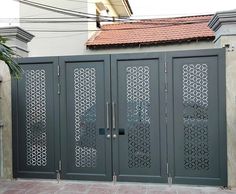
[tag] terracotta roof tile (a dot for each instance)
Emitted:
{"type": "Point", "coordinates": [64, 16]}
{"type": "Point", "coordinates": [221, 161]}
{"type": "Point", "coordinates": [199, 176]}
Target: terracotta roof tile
{"type": "Point", "coordinates": [152, 32]}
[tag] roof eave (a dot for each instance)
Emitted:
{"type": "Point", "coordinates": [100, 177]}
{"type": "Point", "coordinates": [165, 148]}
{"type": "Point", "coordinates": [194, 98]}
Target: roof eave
{"type": "Point", "coordinates": [146, 44]}
{"type": "Point", "coordinates": [122, 11]}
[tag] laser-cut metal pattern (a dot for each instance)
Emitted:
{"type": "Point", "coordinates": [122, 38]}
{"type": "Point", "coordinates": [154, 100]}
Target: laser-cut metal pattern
{"type": "Point", "coordinates": [195, 116]}
{"type": "Point", "coordinates": [138, 118]}
{"type": "Point", "coordinates": [85, 117]}
{"type": "Point", "coordinates": [36, 117]}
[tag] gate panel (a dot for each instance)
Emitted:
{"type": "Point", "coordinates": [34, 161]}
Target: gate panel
{"type": "Point", "coordinates": [197, 138]}
{"type": "Point", "coordinates": [85, 116]}
{"type": "Point", "coordinates": [36, 119]}
{"type": "Point", "coordinates": [138, 117]}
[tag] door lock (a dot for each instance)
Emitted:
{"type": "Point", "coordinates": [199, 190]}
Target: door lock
{"type": "Point", "coordinates": [114, 136]}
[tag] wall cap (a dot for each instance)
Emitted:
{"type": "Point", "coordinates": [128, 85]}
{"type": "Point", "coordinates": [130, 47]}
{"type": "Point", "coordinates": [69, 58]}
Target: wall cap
{"type": "Point", "coordinates": [220, 18]}
{"type": "Point", "coordinates": [16, 32]}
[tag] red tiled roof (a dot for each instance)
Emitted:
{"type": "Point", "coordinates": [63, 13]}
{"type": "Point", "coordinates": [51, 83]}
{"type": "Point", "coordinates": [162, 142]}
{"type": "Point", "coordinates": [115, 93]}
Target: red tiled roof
{"type": "Point", "coordinates": [152, 32]}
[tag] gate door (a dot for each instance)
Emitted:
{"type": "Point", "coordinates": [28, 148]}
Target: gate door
{"type": "Point", "coordinates": [35, 113]}
{"type": "Point", "coordinates": [85, 120]}
{"type": "Point", "coordinates": [196, 117]}
{"type": "Point", "coordinates": [139, 136]}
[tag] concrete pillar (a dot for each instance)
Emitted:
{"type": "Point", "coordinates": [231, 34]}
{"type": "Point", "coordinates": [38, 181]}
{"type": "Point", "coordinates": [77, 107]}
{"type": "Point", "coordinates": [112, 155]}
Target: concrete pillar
{"type": "Point", "coordinates": [224, 26]}
{"type": "Point", "coordinates": [6, 128]}
{"type": "Point", "coordinates": [17, 40]}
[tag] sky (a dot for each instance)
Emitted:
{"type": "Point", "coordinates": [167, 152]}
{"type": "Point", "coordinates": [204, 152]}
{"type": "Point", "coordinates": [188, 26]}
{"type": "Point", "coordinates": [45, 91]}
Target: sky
{"type": "Point", "coordinates": [9, 9]}
{"type": "Point", "coordinates": [146, 8]}
{"type": "Point", "coordinates": [169, 8]}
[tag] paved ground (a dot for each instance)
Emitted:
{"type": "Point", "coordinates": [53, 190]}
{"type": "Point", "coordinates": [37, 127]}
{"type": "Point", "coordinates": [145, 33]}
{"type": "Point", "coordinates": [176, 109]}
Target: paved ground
{"type": "Point", "coordinates": [79, 187]}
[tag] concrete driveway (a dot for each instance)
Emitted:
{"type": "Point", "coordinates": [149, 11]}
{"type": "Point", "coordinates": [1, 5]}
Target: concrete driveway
{"type": "Point", "coordinates": [79, 187]}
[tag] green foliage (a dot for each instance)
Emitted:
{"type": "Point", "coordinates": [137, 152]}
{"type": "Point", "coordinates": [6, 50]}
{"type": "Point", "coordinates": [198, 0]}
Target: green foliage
{"type": "Point", "coordinates": [7, 55]}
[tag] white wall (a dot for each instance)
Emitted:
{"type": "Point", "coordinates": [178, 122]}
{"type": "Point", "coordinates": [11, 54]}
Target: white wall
{"type": "Point", "coordinates": [59, 43]}
{"type": "Point", "coordinates": [9, 9]}
{"type": "Point", "coordinates": [55, 43]}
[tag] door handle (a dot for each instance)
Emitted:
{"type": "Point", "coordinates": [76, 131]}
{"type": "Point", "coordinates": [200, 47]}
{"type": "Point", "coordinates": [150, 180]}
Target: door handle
{"type": "Point", "coordinates": [108, 136]}
{"type": "Point", "coordinates": [113, 116]}
{"type": "Point", "coordinates": [107, 110]}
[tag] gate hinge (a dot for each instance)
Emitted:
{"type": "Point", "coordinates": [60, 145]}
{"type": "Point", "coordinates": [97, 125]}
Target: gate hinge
{"type": "Point", "coordinates": [168, 174]}
{"type": "Point", "coordinates": [59, 171]}
{"type": "Point", "coordinates": [167, 169]}
{"type": "Point", "coordinates": [58, 70]}
{"type": "Point", "coordinates": [59, 165]}
{"type": "Point", "coordinates": [165, 67]}
{"type": "Point", "coordinates": [58, 176]}
{"type": "Point", "coordinates": [170, 180]}
{"type": "Point", "coordinates": [58, 88]}
{"type": "Point", "coordinates": [1, 124]}
{"type": "Point", "coordinates": [114, 178]}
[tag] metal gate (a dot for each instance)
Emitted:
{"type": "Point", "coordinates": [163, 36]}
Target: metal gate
{"type": "Point", "coordinates": [85, 117]}
{"type": "Point", "coordinates": [151, 117]}
{"type": "Point", "coordinates": [36, 119]}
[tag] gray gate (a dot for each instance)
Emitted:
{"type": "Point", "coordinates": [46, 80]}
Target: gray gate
{"type": "Point", "coordinates": [196, 117]}
{"type": "Point", "coordinates": [35, 119]}
{"type": "Point", "coordinates": [154, 117]}
{"type": "Point", "coordinates": [85, 117]}
{"type": "Point", "coordinates": [139, 148]}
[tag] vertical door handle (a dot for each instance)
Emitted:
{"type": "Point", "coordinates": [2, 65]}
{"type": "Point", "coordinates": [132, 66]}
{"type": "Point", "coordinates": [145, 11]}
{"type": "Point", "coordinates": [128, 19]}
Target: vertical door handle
{"type": "Point", "coordinates": [107, 121]}
{"type": "Point", "coordinates": [113, 116]}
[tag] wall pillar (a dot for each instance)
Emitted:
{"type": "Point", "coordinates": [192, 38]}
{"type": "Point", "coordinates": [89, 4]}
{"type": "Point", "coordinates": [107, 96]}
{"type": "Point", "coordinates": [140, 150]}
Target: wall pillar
{"type": "Point", "coordinates": [17, 40]}
{"type": "Point", "coordinates": [224, 26]}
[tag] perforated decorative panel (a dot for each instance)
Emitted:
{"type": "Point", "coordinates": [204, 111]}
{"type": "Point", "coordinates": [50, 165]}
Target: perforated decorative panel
{"type": "Point", "coordinates": [138, 119]}
{"type": "Point", "coordinates": [36, 120]}
{"type": "Point", "coordinates": [195, 116]}
{"type": "Point", "coordinates": [85, 117]}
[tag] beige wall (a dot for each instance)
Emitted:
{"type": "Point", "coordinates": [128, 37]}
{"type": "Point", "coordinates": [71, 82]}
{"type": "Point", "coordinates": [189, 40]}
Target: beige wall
{"type": "Point", "coordinates": [230, 105]}
{"type": "Point", "coordinates": [170, 47]}
{"type": "Point", "coordinates": [5, 116]}
{"type": "Point", "coordinates": [17, 40]}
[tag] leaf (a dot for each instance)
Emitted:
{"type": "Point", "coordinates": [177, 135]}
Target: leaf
{"type": "Point", "coordinates": [7, 55]}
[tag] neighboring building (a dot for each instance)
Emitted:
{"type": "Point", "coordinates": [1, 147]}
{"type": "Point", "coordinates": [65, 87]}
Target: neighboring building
{"type": "Point", "coordinates": [163, 34]}
{"type": "Point", "coordinates": [61, 34]}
